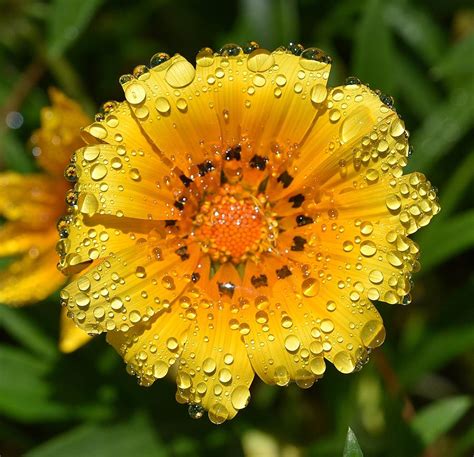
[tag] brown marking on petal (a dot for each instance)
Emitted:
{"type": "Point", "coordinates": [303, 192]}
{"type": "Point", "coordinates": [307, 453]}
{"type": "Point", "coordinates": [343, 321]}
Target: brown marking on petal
{"type": "Point", "coordinates": [183, 253]}
{"type": "Point", "coordinates": [185, 180]}
{"type": "Point", "coordinates": [259, 281]}
{"type": "Point", "coordinates": [205, 167]}
{"type": "Point", "coordinates": [233, 153]}
{"type": "Point", "coordinates": [297, 200]}
{"type": "Point", "coordinates": [258, 162]}
{"type": "Point", "coordinates": [298, 243]}
{"type": "Point", "coordinates": [285, 179]}
{"type": "Point", "coordinates": [283, 272]}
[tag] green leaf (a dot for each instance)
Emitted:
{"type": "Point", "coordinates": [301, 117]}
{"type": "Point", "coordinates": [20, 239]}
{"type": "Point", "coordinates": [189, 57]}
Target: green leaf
{"type": "Point", "coordinates": [14, 153]}
{"type": "Point", "coordinates": [25, 393]}
{"type": "Point", "coordinates": [374, 54]}
{"type": "Point", "coordinates": [445, 126]}
{"type": "Point", "coordinates": [438, 418]}
{"type": "Point", "coordinates": [67, 20]}
{"type": "Point", "coordinates": [418, 92]}
{"type": "Point", "coordinates": [417, 29]}
{"type": "Point", "coordinates": [458, 184]}
{"type": "Point", "coordinates": [457, 65]}
{"type": "Point", "coordinates": [136, 437]}
{"type": "Point", "coordinates": [445, 239]}
{"type": "Point", "coordinates": [18, 324]}
{"type": "Point", "coordinates": [352, 448]}
{"type": "Point", "coordinates": [435, 351]}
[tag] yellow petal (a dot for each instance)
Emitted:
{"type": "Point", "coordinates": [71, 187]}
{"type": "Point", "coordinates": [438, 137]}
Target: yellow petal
{"type": "Point", "coordinates": [214, 370]}
{"type": "Point", "coordinates": [35, 200]}
{"type": "Point", "coordinates": [32, 278]}
{"type": "Point", "coordinates": [59, 135]}
{"type": "Point", "coordinates": [151, 348]}
{"type": "Point", "coordinates": [71, 337]}
{"type": "Point", "coordinates": [123, 183]}
{"type": "Point", "coordinates": [129, 286]}
{"type": "Point", "coordinates": [16, 238]}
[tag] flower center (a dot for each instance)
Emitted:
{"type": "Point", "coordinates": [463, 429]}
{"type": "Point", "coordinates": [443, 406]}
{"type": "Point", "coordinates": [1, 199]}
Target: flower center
{"type": "Point", "coordinates": [232, 225]}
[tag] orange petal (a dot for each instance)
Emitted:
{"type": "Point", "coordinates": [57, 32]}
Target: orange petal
{"type": "Point", "coordinates": [71, 337]}
{"type": "Point", "coordinates": [59, 135]}
{"type": "Point", "coordinates": [129, 286]}
{"type": "Point", "coordinates": [16, 238]}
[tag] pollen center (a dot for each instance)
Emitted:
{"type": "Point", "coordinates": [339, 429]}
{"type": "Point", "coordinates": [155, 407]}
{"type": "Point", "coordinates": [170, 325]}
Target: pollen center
{"type": "Point", "coordinates": [232, 226]}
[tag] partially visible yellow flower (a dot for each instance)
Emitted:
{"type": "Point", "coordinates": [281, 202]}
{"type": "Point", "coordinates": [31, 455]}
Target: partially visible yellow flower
{"type": "Point", "coordinates": [32, 205]}
{"type": "Point", "coordinates": [241, 217]}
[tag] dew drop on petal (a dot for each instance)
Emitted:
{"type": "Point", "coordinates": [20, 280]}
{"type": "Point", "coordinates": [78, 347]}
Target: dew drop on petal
{"type": "Point", "coordinates": [344, 362]}
{"type": "Point", "coordinates": [372, 334]}
{"type": "Point", "coordinates": [240, 397]}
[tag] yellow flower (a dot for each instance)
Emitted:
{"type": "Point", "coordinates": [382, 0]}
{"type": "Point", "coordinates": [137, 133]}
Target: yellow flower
{"type": "Point", "coordinates": [31, 205]}
{"type": "Point", "coordinates": [238, 217]}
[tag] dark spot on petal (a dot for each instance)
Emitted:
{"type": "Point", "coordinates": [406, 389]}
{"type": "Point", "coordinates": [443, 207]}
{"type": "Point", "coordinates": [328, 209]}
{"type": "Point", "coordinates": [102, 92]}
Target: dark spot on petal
{"type": "Point", "coordinates": [303, 220]}
{"type": "Point", "coordinates": [259, 281]}
{"type": "Point", "coordinates": [226, 288]}
{"type": "Point", "coordinates": [195, 277]}
{"type": "Point", "coordinates": [297, 200]}
{"type": "Point", "coordinates": [259, 162]}
{"type": "Point", "coordinates": [183, 253]}
{"type": "Point", "coordinates": [298, 243]}
{"type": "Point", "coordinates": [185, 180]}
{"type": "Point", "coordinates": [233, 153]}
{"type": "Point", "coordinates": [285, 178]}
{"type": "Point", "coordinates": [283, 272]}
{"type": "Point", "coordinates": [170, 223]}
{"type": "Point", "coordinates": [180, 203]}
{"type": "Point", "coordinates": [205, 167]}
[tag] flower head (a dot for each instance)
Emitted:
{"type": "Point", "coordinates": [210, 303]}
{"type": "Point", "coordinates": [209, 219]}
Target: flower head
{"type": "Point", "coordinates": [32, 204]}
{"type": "Point", "coordinates": [240, 217]}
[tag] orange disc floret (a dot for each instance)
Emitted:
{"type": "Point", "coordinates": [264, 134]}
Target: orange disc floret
{"type": "Point", "coordinates": [230, 225]}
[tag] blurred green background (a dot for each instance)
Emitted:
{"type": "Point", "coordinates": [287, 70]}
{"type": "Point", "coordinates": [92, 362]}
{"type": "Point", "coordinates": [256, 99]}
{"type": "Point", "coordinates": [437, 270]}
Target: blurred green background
{"type": "Point", "coordinates": [415, 396]}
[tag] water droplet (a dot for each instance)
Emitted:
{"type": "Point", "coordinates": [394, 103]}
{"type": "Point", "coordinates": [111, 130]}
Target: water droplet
{"type": "Point", "coordinates": [318, 93]}
{"type": "Point", "coordinates": [135, 317]}
{"type": "Point", "coordinates": [292, 343]}
{"type": "Point", "coordinates": [205, 57]}
{"type": "Point", "coordinates": [344, 362]}
{"type": "Point", "coordinates": [98, 172]}
{"type": "Point", "coordinates": [334, 115]}
{"type": "Point", "coordinates": [195, 411]}
{"type": "Point", "coordinates": [281, 376]}
{"type": "Point", "coordinates": [88, 204]}
{"type": "Point", "coordinates": [209, 366]}
{"type": "Point", "coordinates": [376, 276]}
{"type": "Point", "coordinates": [162, 105]}
{"type": "Point", "coordinates": [91, 153]}
{"type": "Point", "coordinates": [135, 93]}
{"type": "Point", "coordinates": [183, 380]}
{"type": "Point", "coordinates": [393, 202]}
{"type": "Point", "coordinates": [180, 74]}
{"type": "Point", "coordinates": [160, 369]}
{"type": "Point", "coordinates": [368, 248]}
{"type": "Point", "coordinates": [314, 59]}
{"type": "Point", "coordinates": [116, 304]}
{"type": "Point", "coordinates": [280, 80]}
{"type": "Point", "coordinates": [317, 366]}
{"type": "Point", "coordinates": [327, 325]}
{"type": "Point", "coordinates": [356, 124]}
{"type": "Point", "coordinates": [397, 128]}
{"type": "Point", "coordinates": [98, 131]}
{"type": "Point", "coordinates": [172, 344]}
{"type": "Point", "coordinates": [240, 397]}
{"type": "Point", "coordinates": [218, 413]}
{"type": "Point", "coordinates": [372, 334]}
{"type": "Point", "coordinates": [259, 80]}
{"type": "Point", "coordinates": [260, 60]}
{"type": "Point", "coordinates": [225, 375]}
{"type": "Point", "coordinates": [310, 287]}
{"type": "Point", "coordinates": [182, 105]}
